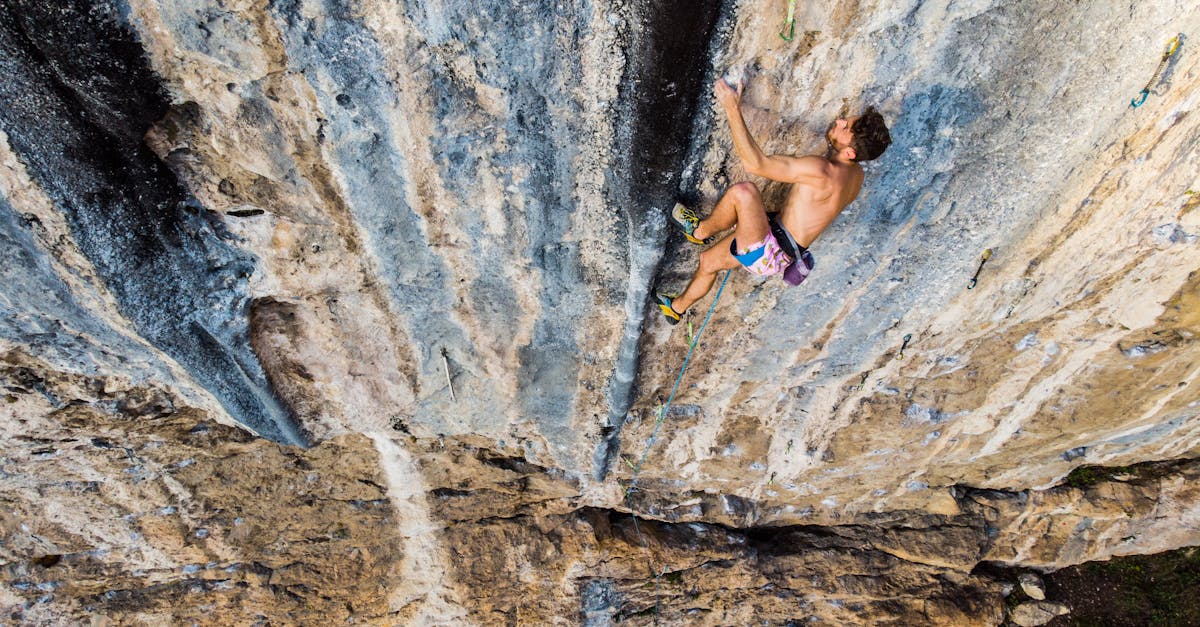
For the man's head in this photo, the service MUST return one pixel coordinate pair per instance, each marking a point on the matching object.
(860, 138)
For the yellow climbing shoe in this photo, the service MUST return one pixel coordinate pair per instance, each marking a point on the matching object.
(687, 221)
(664, 305)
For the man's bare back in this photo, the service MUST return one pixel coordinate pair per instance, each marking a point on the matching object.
(812, 204)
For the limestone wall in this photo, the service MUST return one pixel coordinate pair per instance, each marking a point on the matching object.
(439, 225)
(1004, 140)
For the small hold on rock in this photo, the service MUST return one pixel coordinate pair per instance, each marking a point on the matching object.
(1034, 613)
(1031, 585)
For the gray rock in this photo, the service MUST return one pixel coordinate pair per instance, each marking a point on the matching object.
(1036, 613)
(1031, 585)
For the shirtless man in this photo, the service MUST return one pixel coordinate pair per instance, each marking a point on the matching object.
(821, 189)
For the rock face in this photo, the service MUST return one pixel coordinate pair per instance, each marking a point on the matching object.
(412, 246)
(1036, 613)
(121, 503)
(79, 99)
(1032, 586)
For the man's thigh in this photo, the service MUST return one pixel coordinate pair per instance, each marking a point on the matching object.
(752, 225)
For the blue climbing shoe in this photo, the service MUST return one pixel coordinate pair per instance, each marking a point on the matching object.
(687, 221)
(664, 305)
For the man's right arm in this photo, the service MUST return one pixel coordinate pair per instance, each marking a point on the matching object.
(782, 168)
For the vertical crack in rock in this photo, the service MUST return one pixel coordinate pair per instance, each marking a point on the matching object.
(660, 94)
(78, 98)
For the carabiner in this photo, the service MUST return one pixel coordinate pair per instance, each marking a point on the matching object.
(1137, 102)
(789, 24)
(1172, 46)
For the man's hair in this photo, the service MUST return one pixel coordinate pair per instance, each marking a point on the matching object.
(870, 135)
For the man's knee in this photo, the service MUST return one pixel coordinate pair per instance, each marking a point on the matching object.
(716, 259)
(744, 193)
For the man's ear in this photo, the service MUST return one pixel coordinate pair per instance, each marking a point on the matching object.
(848, 153)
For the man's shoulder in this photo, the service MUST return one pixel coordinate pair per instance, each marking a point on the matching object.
(813, 165)
(815, 159)
(812, 171)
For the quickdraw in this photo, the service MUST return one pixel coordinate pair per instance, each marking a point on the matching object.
(1172, 48)
(987, 254)
(788, 32)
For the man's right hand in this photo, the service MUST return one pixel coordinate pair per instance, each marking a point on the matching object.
(728, 95)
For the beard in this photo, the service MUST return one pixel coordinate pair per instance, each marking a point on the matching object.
(833, 144)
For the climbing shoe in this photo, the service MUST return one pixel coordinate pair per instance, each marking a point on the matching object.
(664, 305)
(688, 221)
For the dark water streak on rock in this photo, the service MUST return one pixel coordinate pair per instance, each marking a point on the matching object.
(660, 96)
(79, 96)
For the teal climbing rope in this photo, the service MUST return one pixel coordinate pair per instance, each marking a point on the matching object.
(662, 414)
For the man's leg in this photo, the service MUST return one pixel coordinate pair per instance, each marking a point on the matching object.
(725, 214)
(712, 261)
(750, 216)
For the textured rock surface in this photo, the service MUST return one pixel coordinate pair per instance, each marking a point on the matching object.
(79, 98)
(1032, 586)
(120, 502)
(313, 218)
(1032, 614)
(1010, 384)
(1156, 506)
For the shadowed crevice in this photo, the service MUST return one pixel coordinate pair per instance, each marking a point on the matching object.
(664, 84)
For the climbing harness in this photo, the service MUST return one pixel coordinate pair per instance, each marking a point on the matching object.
(987, 254)
(1172, 48)
(662, 414)
(789, 24)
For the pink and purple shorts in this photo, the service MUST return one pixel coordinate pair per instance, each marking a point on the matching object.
(763, 258)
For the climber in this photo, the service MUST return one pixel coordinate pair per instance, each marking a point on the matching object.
(763, 243)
